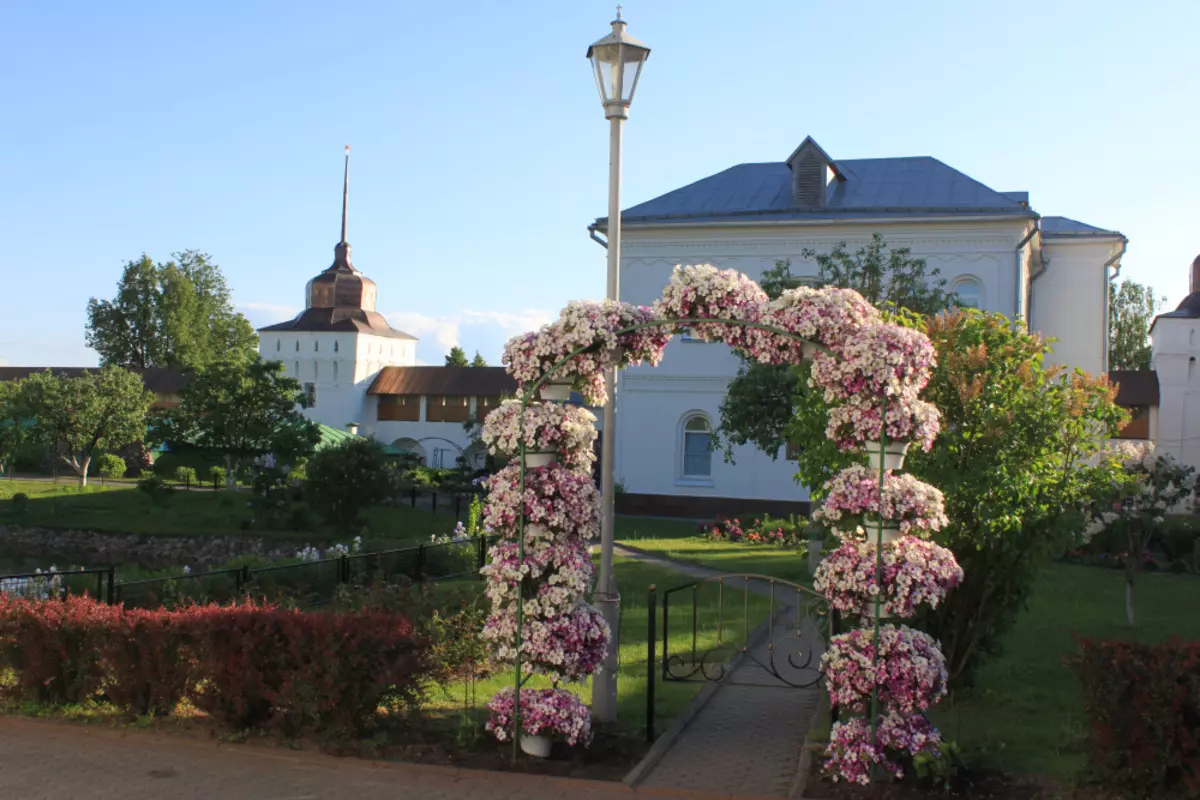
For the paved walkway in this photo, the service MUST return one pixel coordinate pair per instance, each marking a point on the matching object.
(748, 735)
(61, 761)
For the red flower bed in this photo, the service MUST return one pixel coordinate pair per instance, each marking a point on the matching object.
(1143, 707)
(247, 666)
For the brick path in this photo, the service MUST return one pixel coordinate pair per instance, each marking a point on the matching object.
(62, 761)
(749, 734)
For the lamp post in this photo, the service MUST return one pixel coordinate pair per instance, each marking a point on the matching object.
(617, 61)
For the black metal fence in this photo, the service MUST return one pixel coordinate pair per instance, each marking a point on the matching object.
(307, 583)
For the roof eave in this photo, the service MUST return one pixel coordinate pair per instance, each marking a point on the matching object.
(824, 217)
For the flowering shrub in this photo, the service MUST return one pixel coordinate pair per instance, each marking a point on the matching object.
(556, 497)
(910, 674)
(565, 647)
(544, 712)
(828, 316)
(53, 646)
(567, 430)
(914, 572)
(705, 292)
(857, 421)
(912, 505)
(311, 553)
(851, 756)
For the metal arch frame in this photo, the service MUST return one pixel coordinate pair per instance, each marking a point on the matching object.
(675, 323)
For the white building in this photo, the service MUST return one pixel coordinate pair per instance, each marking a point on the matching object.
(992, 247)
(1174, 425)
(360, 373)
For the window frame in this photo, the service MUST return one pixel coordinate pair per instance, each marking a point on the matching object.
(972, 280)
(682, 474)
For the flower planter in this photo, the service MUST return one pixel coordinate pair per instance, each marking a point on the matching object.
(893, 455)
(808, 350)
(555, 392)
(534, 460)
(537, 531)
(536, 746)
(871, 525)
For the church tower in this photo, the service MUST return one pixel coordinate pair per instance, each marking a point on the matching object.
(339, 343)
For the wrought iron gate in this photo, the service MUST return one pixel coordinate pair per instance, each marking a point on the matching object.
(760, 631)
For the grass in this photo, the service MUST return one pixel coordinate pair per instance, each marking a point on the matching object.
(1025, 714)
(634, 579)
(678, 540)
(121, 508)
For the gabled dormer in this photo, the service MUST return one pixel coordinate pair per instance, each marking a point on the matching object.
(812, 172)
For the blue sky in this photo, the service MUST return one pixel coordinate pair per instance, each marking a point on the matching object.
(480, 148)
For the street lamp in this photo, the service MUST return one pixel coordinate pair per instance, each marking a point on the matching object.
(617, 61)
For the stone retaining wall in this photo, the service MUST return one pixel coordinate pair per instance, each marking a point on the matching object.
(90, 549)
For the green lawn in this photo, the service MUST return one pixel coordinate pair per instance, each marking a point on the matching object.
(634, 580)
(668, 539)
(1026, 713)
(121, 508)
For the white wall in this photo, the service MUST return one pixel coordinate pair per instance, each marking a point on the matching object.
(1070, 300)
(694, 376)
(1176, 359)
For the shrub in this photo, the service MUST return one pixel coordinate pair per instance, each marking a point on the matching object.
(186, 476)
(344, 480)
(111, 466)
(1143, 708)
(156, 489)
(148, 664)
(297, 672)
(20, 503)
(53, 647)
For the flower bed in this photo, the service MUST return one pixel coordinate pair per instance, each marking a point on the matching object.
(780, 533)
(913, 506)
(915, 572)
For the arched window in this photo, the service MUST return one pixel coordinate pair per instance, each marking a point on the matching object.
(697, 447)
(969, 292)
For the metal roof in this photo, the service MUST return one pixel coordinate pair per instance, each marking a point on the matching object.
(1065, 226)
(873, 187)
(1135, 387)
(159, 380)
(478, 381)
(339, 320)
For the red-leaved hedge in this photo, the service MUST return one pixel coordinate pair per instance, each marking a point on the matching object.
(247, 666)
(1143, 707)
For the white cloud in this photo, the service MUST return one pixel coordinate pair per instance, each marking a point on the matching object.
(486, 330)
(4, 362)
(267, 313)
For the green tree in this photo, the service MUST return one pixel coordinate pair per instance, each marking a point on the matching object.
(347, 478)
(244, 408)
(457, 358)
(14, 416)
(1132, 308)
(177, 314)
(79, 417)
(478, 361)
(762, 399)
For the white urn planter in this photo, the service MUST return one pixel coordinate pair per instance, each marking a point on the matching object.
(534, 460)
(893, 455)
(871, 525)
(537, 531)
(555, 392)
(536, 746)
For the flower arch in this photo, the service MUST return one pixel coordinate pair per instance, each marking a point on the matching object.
(546, 506)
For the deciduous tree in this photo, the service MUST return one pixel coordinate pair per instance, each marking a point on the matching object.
(1132, 308)
(244, 408)
(177, 314)
(14, 416)
(79, 417)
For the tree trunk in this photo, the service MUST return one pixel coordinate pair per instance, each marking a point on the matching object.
(83, 471)
(230, 473)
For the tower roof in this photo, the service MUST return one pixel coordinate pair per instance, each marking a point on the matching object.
(341, 298)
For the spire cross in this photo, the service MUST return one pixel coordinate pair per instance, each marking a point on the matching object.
(345, 192)
(618, 12)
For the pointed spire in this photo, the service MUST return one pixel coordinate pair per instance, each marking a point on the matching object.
(341, 252)
(345, 192)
